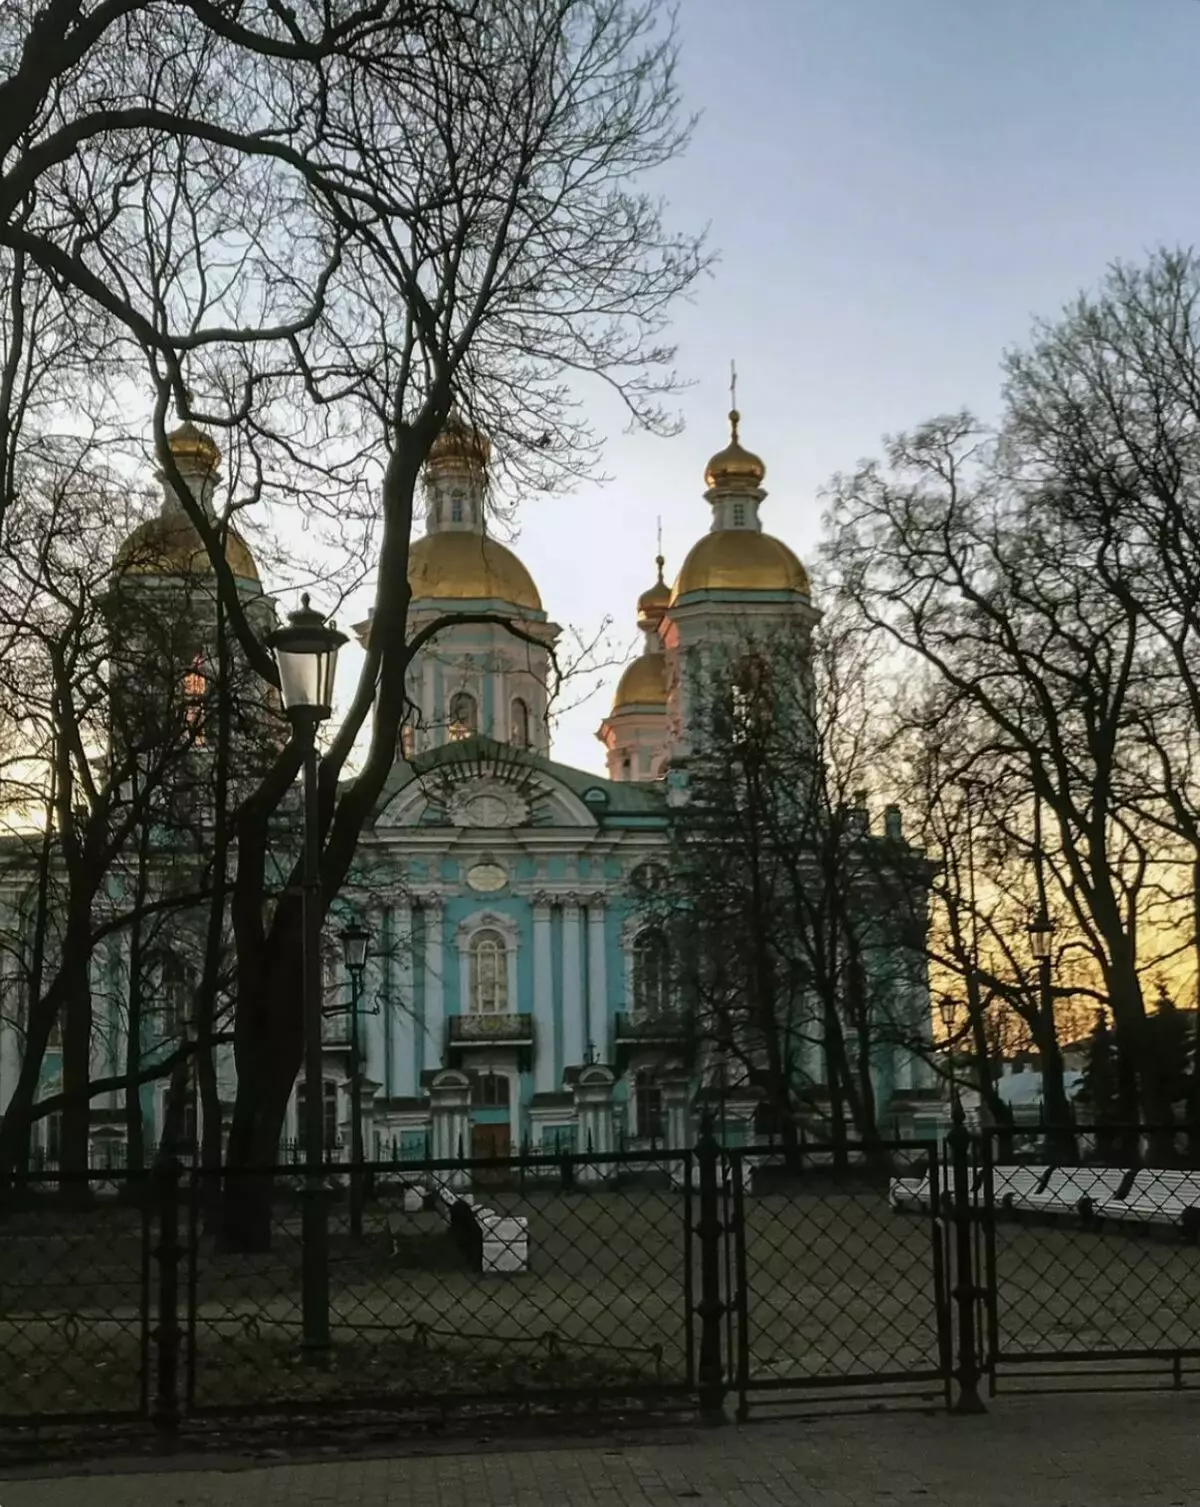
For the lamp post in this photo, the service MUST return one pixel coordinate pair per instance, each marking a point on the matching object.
(306, 651)
(356, 941)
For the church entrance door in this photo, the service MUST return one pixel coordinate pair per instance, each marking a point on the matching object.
(493, 1140)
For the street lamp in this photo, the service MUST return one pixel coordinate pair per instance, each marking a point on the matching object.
(1041, 936)
(306, 651)
(356, 941)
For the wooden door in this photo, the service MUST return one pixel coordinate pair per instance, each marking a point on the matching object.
(491, 1140)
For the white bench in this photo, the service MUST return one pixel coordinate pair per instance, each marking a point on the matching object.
(1010, 1184)
(1156, 1196)
(1064, 1188)
(909, 1192)
(505, 1242)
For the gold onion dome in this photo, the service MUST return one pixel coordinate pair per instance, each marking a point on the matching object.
(740, 560)
(644, 683)
(734, 467)
(169, 545)
(187, 443)
(654, 601)
(460, 443)
(461, 566)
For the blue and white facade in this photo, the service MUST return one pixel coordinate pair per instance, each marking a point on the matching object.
(515, 995)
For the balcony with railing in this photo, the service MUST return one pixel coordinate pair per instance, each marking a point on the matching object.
(467, 1033)
(647, 1029)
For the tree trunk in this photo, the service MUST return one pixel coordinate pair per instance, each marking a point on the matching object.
(268, 1049)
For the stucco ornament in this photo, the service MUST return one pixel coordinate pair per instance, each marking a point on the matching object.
(487, 803)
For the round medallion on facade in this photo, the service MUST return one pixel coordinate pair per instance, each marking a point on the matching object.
(486, 878)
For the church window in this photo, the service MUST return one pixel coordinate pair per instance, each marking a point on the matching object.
(649, 1119)
(408, 741)
(195, 690)
(739, 515)
(649, 878)
(329, 1107)
(518, 724)
(626, 768)
(491, 1091)
(170, 992)
(750, 705)
(456, 507)
(464, 716)
(651, 967)
(489, 974)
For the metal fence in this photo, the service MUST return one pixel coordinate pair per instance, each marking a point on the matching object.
(702, 1278)
(1090, 1266)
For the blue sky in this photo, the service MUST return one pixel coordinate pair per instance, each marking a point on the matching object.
(895, 187)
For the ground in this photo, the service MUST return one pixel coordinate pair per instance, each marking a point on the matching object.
(837, 1286)
(1141, 1451)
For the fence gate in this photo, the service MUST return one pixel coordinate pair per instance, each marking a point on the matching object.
(831, 1295)
(1090, 1271)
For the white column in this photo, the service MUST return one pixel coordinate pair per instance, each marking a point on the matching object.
(10, 1037)
(435, 984)
(572, 985)
(597, 982)
(546, 1074)
(373, 1005)
(402, 1043)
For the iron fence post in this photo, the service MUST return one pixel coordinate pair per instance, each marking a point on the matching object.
(966, 1288)
(710, 1308)
(168, 1253)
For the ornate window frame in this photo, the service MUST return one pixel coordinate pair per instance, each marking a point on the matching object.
(468, 929)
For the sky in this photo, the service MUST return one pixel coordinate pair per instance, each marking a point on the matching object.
(895, 188)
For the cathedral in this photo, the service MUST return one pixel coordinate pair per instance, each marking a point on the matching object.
(514, 994)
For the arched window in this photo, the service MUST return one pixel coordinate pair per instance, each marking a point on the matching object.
(456, 506)
(195, 692)
(491, 1091)
(489, 974)
(329, 1114)
(649, 878)
(518, 723)
(750, 696)
(649, 1119)
(464, 716)
(651, 970)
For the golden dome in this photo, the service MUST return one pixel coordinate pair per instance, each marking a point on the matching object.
(458, 443)
(740, 560)
(653, 602)
(187, 443)
(643, 683)
(469, 567)
(734, 468)
(169, 545)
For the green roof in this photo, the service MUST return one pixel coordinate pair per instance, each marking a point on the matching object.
(613, 803)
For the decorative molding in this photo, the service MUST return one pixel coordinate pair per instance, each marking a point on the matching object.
(484, 802)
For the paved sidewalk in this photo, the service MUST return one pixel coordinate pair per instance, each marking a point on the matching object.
(1048, 1452)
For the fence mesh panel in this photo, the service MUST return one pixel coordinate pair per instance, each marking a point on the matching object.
(74, 1272)
(839, 1288)
(586, 1294)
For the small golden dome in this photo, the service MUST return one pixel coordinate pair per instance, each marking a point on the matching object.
(734, 468)
(653, 602)
(462, 566)
(187, 443)
(169, 545)
(459, 443)
(644, 683)
(740, 560)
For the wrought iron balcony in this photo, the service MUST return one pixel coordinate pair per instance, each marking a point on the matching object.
(650, 1028)
(467, 1032)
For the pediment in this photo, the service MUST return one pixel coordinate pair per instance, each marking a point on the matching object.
(488, 793)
